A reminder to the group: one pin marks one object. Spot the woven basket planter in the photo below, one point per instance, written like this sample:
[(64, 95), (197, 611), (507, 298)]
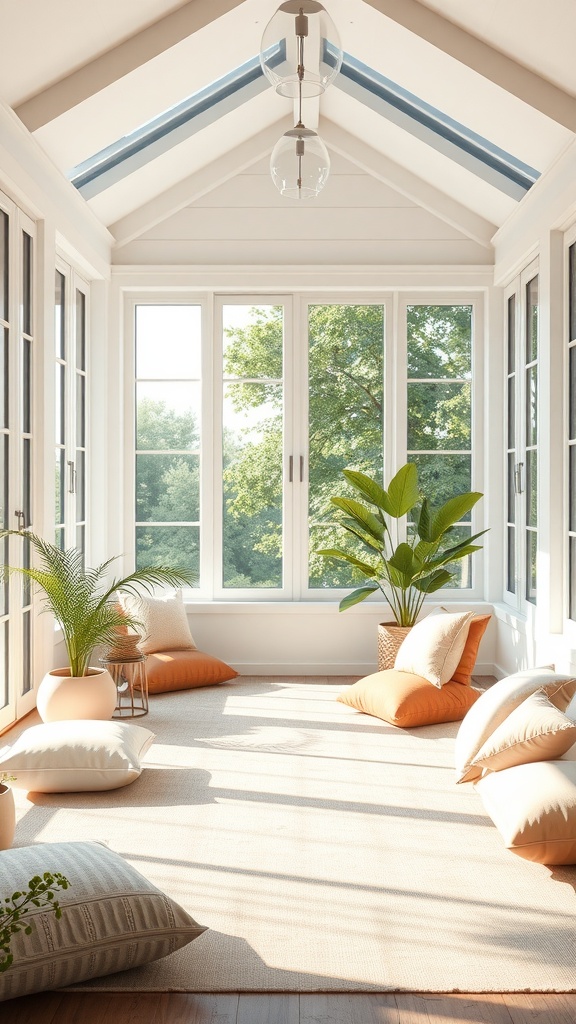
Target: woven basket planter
[(390, 636)]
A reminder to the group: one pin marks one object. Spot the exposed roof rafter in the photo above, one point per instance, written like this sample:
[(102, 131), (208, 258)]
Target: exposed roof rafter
[(529, 87), (109, 67)]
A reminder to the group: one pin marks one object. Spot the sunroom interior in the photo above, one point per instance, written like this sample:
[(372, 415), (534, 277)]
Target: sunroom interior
[(150, 263)]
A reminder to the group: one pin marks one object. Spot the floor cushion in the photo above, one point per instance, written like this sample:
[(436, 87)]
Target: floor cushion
[(535, 731), (76, 756), (434, 646), (405, 699), (183, 670), (477, 628), (496, 704), (534, 808), (112, 918)]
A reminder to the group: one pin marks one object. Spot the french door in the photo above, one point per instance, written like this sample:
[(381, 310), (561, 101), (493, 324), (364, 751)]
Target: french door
[(17, 342)]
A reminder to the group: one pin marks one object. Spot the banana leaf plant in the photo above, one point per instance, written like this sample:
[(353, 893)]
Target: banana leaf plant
[(404, 570), (82, 600)]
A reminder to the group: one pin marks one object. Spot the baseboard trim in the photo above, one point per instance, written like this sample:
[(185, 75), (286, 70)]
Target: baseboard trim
[(350, 669)]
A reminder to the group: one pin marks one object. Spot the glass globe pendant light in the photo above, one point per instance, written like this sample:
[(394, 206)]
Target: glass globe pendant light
[(299, 163), (282, 49)]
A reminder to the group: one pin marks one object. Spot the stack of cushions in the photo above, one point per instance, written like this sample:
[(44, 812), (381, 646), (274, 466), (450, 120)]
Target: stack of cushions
[(517, 745), (174, 662), (112, 918), (432, 675), (76, 756)]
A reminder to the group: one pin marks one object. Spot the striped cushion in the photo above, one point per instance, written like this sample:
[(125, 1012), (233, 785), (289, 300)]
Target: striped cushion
[(112, 918)]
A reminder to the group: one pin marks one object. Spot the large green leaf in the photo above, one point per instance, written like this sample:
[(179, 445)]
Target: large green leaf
[(357, 595), (403, 491), (367, 520), (344, 556), (372, 543), (437, 579), (370, 489), (423, 524), (452, 512), (403, 560)]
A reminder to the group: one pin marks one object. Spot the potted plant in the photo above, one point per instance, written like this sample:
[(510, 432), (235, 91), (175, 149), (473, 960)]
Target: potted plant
[(7, 812), (83, 603), (405, 563), (40, 893)]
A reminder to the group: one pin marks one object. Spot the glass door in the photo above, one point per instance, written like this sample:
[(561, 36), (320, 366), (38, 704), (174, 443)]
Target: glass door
[(17, 676)]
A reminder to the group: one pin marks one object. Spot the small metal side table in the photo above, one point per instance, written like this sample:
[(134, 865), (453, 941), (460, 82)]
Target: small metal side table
[(129, 674)]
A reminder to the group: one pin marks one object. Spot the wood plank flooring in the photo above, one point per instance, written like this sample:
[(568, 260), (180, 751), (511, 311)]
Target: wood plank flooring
[(289, 1008)]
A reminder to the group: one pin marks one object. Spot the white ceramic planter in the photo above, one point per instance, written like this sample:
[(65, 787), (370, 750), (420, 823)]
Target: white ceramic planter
[(7, 817), (62, 696)]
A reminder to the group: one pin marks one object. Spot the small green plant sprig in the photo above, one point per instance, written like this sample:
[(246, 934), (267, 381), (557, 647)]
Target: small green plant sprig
[(4, 778), (13, 908)]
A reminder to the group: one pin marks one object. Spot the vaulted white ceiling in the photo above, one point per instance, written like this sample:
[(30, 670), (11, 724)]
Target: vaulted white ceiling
[(81, 76)]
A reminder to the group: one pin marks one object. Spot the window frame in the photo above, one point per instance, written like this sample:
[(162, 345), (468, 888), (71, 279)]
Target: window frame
[(517, 289), (295, 504)]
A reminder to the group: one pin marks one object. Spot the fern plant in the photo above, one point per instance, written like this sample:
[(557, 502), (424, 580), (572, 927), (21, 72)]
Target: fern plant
[(405, 571), (82, 600)]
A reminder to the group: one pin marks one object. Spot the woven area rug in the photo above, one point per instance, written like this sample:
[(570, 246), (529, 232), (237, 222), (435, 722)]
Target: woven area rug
[(324, 850)]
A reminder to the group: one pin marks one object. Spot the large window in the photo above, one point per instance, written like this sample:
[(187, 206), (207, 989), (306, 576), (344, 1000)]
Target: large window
[(522, 351), (17, 357), (70, 427), (248, 408)]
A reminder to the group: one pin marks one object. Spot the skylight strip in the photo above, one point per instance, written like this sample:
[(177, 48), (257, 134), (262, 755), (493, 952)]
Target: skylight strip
[(161, 133), (477, 154)]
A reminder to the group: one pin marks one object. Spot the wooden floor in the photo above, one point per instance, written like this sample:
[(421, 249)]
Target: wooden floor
[(359, 1008)]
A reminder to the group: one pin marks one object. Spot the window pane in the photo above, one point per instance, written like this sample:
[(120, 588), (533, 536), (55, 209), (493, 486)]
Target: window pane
[(81, 539), (532, 320), (345, 388), (572, 581), (572, 487), (511, 489), (4, 691), (252, 485), (572, 394), (253, 341), (439, 341), (80, 487), (80, 410), (26, 582), (462, 568), (531, 488), (80, 330), (572, 291), (168, 416), (26, 652), (442, 476), (167, 488), (326, 574), (439, 416), (511, 581), (26, 283), (4, 586), (511, 332), (532, 405), (4, 377), (531, 551), (60, 486), (4, 470), (59, 400), (511, 412), (168, 342), (26, 481), (59, 315), (168, 545), (26, 385), (4, 261)]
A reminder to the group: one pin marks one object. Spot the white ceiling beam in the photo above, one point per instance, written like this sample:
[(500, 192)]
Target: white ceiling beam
[(410, 185), (492, 64), (109, 67), (198, 184)]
